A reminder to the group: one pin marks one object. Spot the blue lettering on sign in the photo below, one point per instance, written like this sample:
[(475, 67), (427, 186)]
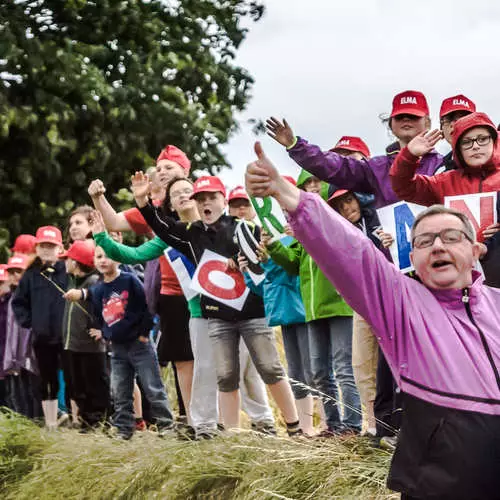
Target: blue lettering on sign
[(403, 218), (174, 254)]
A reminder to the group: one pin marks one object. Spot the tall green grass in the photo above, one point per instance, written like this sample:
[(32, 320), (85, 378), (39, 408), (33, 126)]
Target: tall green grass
[(65, 464)]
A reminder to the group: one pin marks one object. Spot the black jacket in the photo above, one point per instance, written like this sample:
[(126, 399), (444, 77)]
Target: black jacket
[(446, 454), (39, 305), (192, 240), (76, 324)]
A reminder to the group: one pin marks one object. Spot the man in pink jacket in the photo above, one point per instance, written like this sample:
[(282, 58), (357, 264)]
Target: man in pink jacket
[(441, 337)]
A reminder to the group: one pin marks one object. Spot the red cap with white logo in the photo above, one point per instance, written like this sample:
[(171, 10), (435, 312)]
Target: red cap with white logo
[(25, 243), (48, 234), (456, 103), (238, 193), (208, 184), (82, 251), (350, 143), (18, 261), (410, 102), (4, 275)]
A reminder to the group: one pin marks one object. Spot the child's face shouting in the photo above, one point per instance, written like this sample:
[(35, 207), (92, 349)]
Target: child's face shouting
[(211, 206)]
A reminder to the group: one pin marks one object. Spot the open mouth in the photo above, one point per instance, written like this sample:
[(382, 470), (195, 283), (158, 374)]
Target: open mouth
[(207, 212), (440, 263)]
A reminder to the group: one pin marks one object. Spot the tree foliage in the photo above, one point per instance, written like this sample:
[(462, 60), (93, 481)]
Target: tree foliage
[(96, 88)]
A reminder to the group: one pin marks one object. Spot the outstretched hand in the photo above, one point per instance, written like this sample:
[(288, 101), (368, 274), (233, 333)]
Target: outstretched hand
[(424, 142), (97, 222), (280, 132), (141, 187)]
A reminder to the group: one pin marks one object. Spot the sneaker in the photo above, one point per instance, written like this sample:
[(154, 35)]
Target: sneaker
[(185, 432), (62, 418), (389, 442), (165, 430), (266, 428), (140, 425)]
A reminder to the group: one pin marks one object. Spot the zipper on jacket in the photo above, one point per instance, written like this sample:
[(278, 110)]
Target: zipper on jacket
[(68, 326), (465, 300), (312, 286)]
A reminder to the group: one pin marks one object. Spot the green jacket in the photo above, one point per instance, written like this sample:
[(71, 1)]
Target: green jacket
[(150, 250), (304, 175), (320, 299)]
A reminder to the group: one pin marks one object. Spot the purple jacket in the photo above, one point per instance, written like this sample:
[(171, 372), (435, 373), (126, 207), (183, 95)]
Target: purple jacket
[(428, 339), (18, 348), (364, 176)]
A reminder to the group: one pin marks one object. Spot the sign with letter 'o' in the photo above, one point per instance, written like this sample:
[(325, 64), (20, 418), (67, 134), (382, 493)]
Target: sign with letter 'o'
[(480, 208), (213, 279), (271, 216), (397, 219)]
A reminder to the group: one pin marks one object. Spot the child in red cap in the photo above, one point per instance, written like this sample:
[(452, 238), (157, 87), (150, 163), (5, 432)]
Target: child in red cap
[(409, 117), (216, 232), (38, 304)]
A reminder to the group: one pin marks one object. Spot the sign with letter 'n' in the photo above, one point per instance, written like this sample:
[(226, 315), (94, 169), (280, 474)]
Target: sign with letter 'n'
[(213, 279), (480, 208), (183, 269), (397, 219), (271, 216)]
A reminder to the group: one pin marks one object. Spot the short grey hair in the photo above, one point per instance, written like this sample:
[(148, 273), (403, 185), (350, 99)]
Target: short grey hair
[(438, 210)]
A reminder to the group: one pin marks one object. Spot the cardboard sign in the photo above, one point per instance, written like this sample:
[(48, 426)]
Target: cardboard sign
[(248, 247), (397, 219), (480, 208), (183, 269), (214, 280), (271, 216)]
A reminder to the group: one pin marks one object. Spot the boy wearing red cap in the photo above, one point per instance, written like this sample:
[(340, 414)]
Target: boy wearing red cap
[(38, 304), (239, 204), (409, 117), (452, 108), (215, 232), (84, 356)]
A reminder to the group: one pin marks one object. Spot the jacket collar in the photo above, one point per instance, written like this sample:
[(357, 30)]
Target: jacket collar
[(456, 297)]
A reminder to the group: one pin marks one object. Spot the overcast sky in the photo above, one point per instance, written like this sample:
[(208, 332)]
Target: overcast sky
[(331, 67)]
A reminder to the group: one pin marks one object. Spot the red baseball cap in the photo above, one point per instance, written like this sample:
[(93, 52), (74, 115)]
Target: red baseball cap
[(238, 193), (337, 194), (456, 103), (351, 143), (176, 155), (208, 184), (49, 234), (290, 179), (82, 251), (18, 261), (410, 102), (25, 243), (4, 275)]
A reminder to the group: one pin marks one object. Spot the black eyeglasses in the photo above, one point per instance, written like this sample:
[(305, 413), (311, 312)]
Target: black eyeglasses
[(480, 140), (447, 236)]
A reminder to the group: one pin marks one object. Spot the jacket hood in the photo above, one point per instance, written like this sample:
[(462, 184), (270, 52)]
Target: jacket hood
[(461, 127), (304, 176)]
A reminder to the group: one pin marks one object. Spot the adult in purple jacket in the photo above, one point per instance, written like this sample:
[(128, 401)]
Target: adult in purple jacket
[(409, 117), (440, 335)]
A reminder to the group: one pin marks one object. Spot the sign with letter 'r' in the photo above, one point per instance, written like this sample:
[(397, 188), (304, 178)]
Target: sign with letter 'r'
[(271, 216), (480, 208), (213, 279), (397, 219)]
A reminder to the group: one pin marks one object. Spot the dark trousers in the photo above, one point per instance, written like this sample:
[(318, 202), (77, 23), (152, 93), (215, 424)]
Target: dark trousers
[(387, 405), (89, 386), (49, 362), (23, 394)]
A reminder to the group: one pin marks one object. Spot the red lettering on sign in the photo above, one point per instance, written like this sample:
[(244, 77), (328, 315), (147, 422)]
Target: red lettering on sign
[(223, 293), (487, 214)]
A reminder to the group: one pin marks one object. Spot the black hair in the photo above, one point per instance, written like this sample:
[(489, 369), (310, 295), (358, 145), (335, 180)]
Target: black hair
[(84, 268)]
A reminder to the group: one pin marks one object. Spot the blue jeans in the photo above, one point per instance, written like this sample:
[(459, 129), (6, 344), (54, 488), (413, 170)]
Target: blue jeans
[(296, 343), (330, 347), (127, 361)]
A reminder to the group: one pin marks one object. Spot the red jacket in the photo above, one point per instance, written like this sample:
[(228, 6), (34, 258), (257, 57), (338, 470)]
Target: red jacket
[(427, 191)]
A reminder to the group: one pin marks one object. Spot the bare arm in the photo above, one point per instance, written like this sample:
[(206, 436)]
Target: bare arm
[(114, 221)]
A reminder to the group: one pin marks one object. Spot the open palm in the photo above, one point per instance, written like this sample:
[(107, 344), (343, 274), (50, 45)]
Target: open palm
[(141, 186), (280, 132)]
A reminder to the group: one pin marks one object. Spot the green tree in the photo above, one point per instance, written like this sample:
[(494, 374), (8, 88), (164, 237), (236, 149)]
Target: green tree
[(96, 88)]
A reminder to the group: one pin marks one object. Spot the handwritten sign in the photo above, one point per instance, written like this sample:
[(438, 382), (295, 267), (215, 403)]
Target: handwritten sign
[(271, 216), (213, 279), (397, 219), (183, 269), (480, 208)]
